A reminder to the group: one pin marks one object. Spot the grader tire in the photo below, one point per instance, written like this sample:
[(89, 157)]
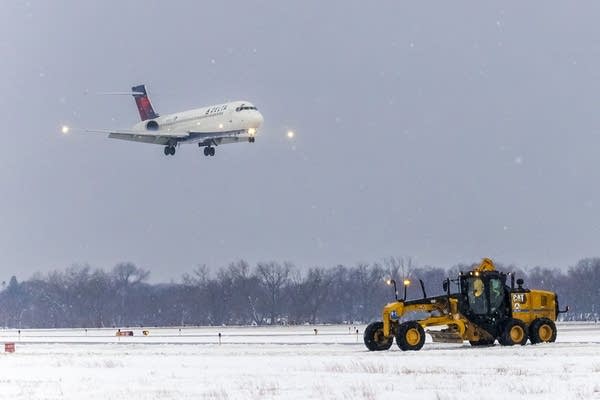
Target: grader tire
[(515, 332), (542, 330), (411, 336), (374, 338)]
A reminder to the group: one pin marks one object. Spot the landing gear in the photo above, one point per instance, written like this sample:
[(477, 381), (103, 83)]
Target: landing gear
[(169, 150), (251, 139), (209, 151)]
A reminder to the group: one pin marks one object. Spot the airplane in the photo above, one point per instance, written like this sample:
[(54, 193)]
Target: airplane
[(234, 122)]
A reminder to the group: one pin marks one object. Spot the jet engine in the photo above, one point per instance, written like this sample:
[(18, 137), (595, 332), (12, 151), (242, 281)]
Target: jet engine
[(152, 125)]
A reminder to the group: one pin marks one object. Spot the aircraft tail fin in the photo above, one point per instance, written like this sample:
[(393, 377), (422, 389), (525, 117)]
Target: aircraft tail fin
[(143, 102)]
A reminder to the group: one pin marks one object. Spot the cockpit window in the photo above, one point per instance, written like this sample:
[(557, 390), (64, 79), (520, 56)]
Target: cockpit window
[(245, 108)]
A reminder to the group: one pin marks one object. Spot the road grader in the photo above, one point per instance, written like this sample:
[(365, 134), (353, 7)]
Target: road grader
[(484, 309)]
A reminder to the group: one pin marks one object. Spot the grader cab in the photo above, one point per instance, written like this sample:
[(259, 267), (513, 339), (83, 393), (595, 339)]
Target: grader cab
[(483, 310)]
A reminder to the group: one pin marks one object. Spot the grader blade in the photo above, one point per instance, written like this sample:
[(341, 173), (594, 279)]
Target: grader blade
[(445, 337)]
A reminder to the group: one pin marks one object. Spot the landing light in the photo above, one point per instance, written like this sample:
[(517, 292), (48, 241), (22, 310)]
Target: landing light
[(290, 134), (65, 129), (406, 282), (388, 281), (251, 131)]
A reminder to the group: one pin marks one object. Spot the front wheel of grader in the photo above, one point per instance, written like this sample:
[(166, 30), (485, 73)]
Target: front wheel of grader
[(411, 336), (374, 338)]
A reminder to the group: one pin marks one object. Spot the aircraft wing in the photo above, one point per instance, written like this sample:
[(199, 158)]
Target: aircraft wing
[(168, 137), (155, 137), (214, 138)]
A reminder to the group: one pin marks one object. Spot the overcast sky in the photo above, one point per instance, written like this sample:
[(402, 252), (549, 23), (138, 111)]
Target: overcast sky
[(443, 131)]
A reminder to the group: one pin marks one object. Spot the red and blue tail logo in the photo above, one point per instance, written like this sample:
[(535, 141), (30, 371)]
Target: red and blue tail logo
[(143, 103)]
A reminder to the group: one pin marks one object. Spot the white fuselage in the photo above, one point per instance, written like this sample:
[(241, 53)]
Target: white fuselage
[(240, 118)]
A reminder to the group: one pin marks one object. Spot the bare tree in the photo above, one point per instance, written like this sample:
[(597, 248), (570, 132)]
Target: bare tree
[(126, 276), (273, 277), (313, 292)]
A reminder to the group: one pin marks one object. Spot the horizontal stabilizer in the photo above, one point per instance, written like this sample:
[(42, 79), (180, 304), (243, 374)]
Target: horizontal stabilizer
[(120, 93)]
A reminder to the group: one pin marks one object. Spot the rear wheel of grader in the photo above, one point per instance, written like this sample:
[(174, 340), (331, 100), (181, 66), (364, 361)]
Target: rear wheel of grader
[(542, 330), (515, 332), (411, 336), (375, 339)]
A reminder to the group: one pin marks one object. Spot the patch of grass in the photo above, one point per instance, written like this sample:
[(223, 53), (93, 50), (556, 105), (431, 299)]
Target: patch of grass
[(358, 367), (362, 391), (112, 364), (525, 389), (263, 389), (501, 370), (220, 394), (511, 371), (321, 391)]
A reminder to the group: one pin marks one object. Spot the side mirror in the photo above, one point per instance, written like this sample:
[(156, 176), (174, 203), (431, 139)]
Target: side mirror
[(445, 285), (520, 282), (564, 311)]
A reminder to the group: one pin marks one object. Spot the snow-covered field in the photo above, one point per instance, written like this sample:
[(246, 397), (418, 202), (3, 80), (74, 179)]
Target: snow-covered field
[(290, 363)]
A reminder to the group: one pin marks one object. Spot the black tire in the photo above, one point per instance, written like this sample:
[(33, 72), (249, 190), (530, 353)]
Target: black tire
[(212, 151), (172, 150), (514, 332), (542, 330), (411, 336), (374, 338), (167, 151), (482, 342)]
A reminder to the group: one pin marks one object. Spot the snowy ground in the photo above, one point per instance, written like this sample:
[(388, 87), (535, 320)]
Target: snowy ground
[(290, 363)]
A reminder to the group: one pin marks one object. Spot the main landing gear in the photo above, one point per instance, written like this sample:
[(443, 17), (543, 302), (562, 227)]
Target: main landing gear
[(251, 139), (209, 151), (169, 150)]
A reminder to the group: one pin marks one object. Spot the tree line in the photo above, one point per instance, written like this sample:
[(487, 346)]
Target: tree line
[(267, 293)]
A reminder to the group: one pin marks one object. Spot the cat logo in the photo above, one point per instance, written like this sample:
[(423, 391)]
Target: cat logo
[(518, 297)]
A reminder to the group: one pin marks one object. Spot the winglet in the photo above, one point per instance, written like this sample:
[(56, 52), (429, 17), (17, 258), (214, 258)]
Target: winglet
[(143, 102)]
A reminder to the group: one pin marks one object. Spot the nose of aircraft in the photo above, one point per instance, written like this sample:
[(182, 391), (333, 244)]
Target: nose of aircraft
[(258, 119)]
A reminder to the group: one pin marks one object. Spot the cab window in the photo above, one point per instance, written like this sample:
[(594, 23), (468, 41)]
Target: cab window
[(476, 296), (496, 294)]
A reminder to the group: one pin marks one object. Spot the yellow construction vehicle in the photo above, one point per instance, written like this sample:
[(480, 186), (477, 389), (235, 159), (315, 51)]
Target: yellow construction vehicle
[(484, 309)]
